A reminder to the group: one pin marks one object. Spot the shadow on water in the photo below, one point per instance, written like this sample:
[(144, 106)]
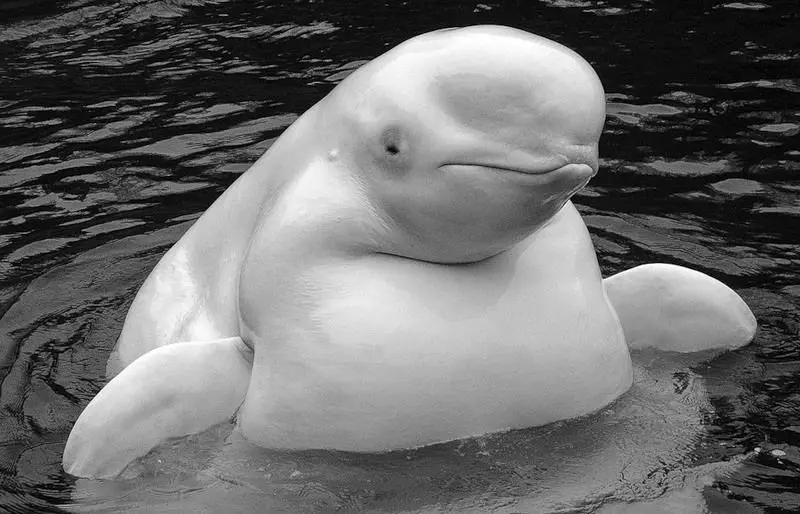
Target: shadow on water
[(120, 122)]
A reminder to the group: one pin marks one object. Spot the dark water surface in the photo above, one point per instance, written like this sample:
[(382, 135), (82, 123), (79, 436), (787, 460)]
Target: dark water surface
[(121, 121)]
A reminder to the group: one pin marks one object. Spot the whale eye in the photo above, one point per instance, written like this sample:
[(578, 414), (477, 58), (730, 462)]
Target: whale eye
[(392, 142), (393, 149)]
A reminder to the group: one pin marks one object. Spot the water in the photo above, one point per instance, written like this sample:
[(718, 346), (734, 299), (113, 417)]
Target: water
[(120, 122)]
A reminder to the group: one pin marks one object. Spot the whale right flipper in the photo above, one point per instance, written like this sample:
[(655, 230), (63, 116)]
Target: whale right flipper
[(171, 391)]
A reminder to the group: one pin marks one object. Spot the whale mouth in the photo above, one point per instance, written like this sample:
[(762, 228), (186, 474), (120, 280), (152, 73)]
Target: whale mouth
[(523, 164), (518, 173), (505, 169)]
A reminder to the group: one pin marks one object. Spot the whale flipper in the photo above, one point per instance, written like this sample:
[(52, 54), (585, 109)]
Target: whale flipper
[(673, 308), (172, 391)]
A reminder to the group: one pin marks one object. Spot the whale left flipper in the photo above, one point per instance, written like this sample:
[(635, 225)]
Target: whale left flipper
[(172, 391), (673, 308)]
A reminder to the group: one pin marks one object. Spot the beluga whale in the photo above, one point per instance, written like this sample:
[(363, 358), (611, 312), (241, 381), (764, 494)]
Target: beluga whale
[(402, 267)]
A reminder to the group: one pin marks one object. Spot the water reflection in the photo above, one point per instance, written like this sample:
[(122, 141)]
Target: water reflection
[(121, 122)]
